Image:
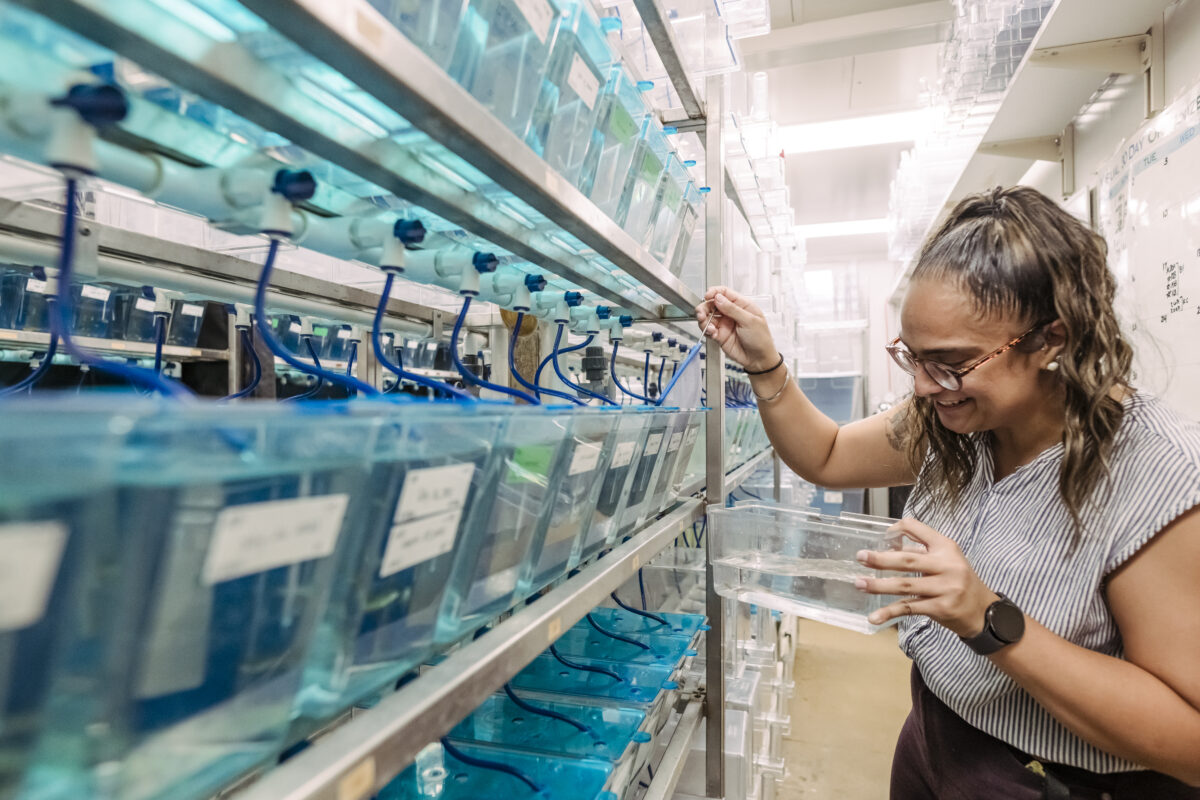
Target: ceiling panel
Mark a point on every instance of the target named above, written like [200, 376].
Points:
[841, 185]
[867, 247]
[796, 12]
[811, 92]
[892, 80]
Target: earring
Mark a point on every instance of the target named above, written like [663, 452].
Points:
[1052, 366]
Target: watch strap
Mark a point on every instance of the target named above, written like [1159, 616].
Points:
[986, 641]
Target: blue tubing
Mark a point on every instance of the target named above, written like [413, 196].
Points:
[353, 357]
[248, 348]
[512, 367]
[558, 369]
[632, 610]
[273, 344]
[691, 356]
[537, 378]
[43, 366]
[616, 636]
[312, 353]
[566, 662]
[469, 376]
[60, 316]
[160, 338]
[543, 712]
[400, 373]
[661, 364]
[646, 379]
[483, 763]
[612, 368]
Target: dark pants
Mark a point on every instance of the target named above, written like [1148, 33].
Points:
[941, 757]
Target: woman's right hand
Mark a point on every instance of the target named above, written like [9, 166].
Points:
[739, 326]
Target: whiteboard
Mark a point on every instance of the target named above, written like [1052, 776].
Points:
[1148, 209]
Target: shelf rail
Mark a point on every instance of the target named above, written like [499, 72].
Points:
[361, 757]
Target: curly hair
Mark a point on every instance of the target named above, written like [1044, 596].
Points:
[1017, 254]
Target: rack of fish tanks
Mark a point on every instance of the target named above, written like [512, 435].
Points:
[286, 510]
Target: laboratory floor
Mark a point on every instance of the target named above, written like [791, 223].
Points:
[851, 699]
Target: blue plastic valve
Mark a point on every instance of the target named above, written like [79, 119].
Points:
[626, 320]
[294, 184]
[603, 312]
[485, 262]
[535, 283]
[573, 299]
[691, 162]
[672, 342]
[645, 86]
[97, 103]
[657, 336]
[409, 231]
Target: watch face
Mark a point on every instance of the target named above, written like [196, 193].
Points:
[1006, 621]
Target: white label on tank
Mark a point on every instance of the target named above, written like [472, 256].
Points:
[29, 556]
[344, 333]
[144, 304]
[623, 454]
[256, 537]
[676, 440]
[192, 310]
[539, 14]
[431, 346]
[586, 457]
[833, 497]
[427, 516]
[95, 293]
[691, 436]
[35, 286]
[583, 81]
[654, 443]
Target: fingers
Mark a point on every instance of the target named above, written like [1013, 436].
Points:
[901, 608]
[899, 560]
[918, 531]
[922, 587]
[742, 313]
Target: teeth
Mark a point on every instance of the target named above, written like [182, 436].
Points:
[944, 404]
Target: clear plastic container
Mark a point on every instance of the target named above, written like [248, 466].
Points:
[629, 439]
[187, 316]
[643, 687]
[134, 314]
[564, 119]
[493, 562]
[739, 758]
[582, 460]
[335, 344]
[646, 472]
[692, 444]
[501, 53]
[57, 506]
[640, 197]
[784, 559]
[438, 774]
[184, 673]
[426, 469]
[663, 495]
[664, 233]
[610, 731]
[92, 310]
[610, 153]
[649, 649]
[623, 622]
[287, 330]
[689, 214]
[431, 25]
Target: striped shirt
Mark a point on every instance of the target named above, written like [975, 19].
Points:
[1016, 533]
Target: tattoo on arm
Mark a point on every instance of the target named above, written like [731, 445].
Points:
[898, 430]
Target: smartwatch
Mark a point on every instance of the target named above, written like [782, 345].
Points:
[1003, 624]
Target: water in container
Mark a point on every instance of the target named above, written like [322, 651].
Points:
[609, 157]
[133, 314]
[646, 472]
[621, 621]
[647, 649]
[493, 562]
[582, 460]
[57, 501]
[692, 431]
[629, 439]
[641, 686]
[335, 344]
[204, 608]
[640, 197]
[501, 53]
[187, 316]
[665, 228]
[91, 310]
[786, 559]
[12, 291]
[662, 494]
[564, 119]
[427, 465]
[431, 25]
[286, 328]
[437, 774]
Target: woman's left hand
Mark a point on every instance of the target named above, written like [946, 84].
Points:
[947, 590]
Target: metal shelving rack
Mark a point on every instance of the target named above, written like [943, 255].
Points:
[354, 760]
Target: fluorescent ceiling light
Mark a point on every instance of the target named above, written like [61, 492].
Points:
[854, 227]
[839, 134]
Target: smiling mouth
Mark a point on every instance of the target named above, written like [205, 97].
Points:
[948, 404]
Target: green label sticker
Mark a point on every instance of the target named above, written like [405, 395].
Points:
[529, 464]
[651, 169]
[621, 124]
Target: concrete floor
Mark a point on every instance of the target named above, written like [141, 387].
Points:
[851, 699]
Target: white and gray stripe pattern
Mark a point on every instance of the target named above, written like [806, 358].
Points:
[1016, 533]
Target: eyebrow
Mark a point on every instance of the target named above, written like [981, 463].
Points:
[964, 351]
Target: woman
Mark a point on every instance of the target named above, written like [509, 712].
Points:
[1055, 622]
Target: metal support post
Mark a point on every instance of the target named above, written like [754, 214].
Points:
[234, 371]
[714, 220]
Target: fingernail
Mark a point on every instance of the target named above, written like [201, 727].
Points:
[711, 330]
[874, 619]
[721, 299]
[861, 556]
[860, 583]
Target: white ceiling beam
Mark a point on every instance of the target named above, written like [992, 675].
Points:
[874, 31]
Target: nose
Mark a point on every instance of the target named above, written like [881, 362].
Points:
[925, 386]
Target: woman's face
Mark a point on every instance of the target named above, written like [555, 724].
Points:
[938, 322]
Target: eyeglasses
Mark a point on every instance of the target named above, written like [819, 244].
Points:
[944, 376]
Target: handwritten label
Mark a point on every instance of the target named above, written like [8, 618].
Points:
[144, 304]
[833, 497]
[257, 537]
[29, 556]
[676, 440]
[95, 293]
[539, 15]
[427, 516]
[584, 82]
[623, 454]
[654, 443]
[35, 286]
[192, 310]
[585, 459]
